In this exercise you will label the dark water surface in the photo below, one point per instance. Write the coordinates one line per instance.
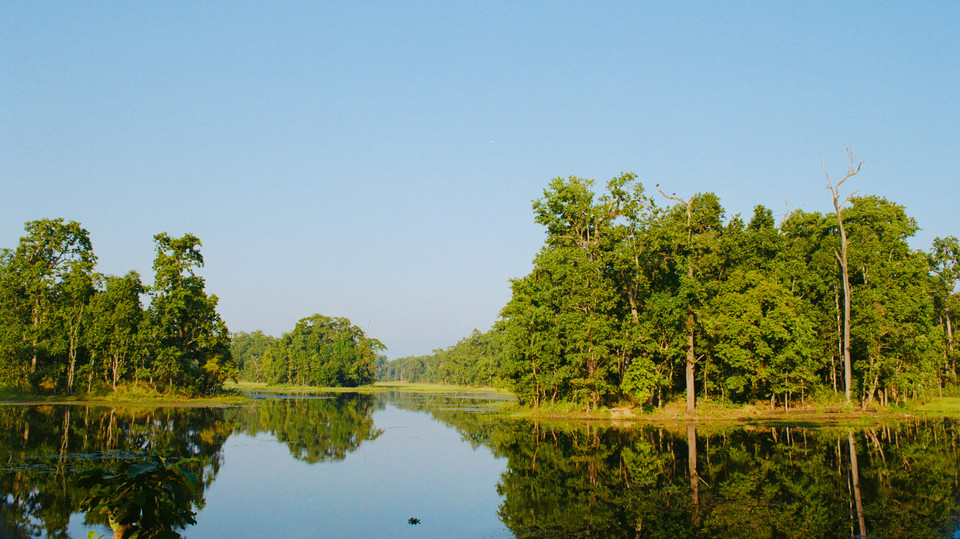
(407, 465)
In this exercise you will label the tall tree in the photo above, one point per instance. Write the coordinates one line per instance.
(192, 341)
(944, 261)
(696, 223)
(895, 340)
(852, 170)
(46, 274)
(563, 318)
(248, 349)
(324, 351)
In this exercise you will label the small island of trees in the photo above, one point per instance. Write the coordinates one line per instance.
(320, 351)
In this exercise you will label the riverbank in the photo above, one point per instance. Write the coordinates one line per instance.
(378, 387)
(124, 396)
(710, 412)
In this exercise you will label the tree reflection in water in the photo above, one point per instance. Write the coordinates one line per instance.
(315, 429)
(566, 481)
(59, 460)
(44, 450)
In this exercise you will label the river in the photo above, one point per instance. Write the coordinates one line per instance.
(412, 465)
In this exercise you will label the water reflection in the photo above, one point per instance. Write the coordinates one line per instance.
(898, 481)
(560, 480)
(315, 429)
(45, 450)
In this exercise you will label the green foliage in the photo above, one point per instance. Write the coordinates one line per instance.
(316, 430)
(578, 481)
(247, 350)
(147, 498)
(320, 351)
(630, 302)
(191, 342)
(64, 327)
(474, 361)
(130, 457)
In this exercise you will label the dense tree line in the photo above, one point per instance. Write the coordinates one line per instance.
(474, 361)
(64, 326)
(320, 351)
(628, 301)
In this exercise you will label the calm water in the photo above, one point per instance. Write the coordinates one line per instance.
(364, 466)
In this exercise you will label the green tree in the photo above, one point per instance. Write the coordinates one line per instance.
(324, 351)
(46, 283)
(562, 321)
(843, 257)
(192, 341)
(896, 342)
(248, 349)
(695, 228)
(944, 261)
(756, 326)
(115, 334)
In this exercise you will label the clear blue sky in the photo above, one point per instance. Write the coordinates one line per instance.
(377, 160)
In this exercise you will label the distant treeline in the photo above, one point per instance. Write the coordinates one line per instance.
(320, 351)
(631, 302)
(474, 361)
(65, 327)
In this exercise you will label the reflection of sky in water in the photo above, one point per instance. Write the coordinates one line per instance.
(416, 468)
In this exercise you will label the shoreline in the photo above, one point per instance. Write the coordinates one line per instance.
(673, 413)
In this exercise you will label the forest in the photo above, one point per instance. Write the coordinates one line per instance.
(66, 328)
(631, 302)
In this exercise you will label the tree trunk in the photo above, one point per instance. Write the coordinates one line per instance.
(953, 366)
(631, 296)
(122, 531)
(73, 342)
(115, 371)
(847, 368)
(842, 255)
(36, 324)
(691, 396)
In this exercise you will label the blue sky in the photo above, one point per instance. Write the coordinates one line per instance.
(377, 160)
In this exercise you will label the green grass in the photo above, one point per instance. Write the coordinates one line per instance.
(125, 395)
(379, 387)
(713, 414)
(947, 406)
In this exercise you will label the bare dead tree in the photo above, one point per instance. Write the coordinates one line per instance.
(852, 170)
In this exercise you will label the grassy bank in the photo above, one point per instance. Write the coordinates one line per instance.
(825, 413)
(379, 387)
(124, 396)
(235, 393)
(708, 412)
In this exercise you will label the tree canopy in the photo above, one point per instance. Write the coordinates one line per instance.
(63, 325)
(319, 351)
(632, 302)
